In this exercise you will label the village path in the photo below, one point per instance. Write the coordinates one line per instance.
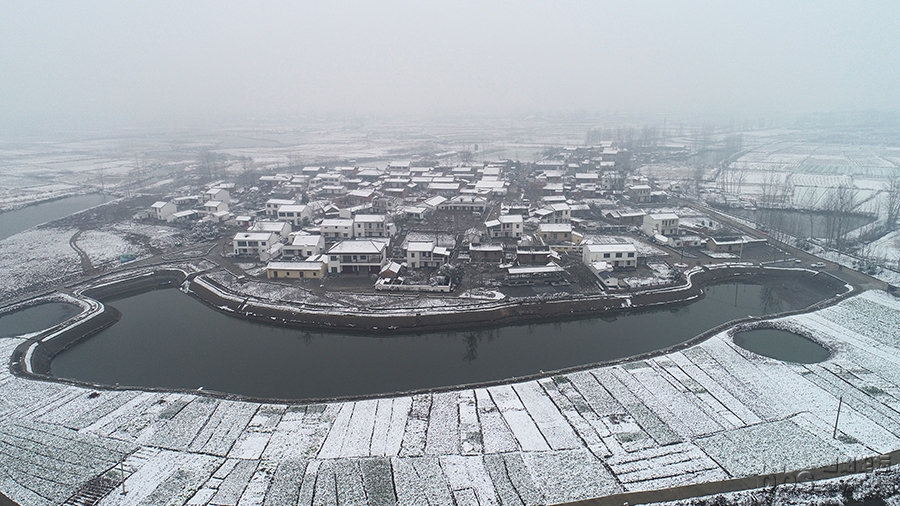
(851, 276)
(86, 266)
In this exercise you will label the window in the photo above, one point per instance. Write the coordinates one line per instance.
(618, 255)
(630, 255)
(606, 255)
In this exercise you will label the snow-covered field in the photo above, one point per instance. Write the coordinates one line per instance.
(42, 257)
(36, 257)
(709, 412)
(886, 248)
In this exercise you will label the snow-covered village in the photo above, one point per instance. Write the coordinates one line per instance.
(449, 253)
(451, 246)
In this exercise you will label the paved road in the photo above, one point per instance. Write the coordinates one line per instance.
(851, 276)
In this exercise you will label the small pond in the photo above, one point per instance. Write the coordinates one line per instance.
(782, 345)
(36, 318)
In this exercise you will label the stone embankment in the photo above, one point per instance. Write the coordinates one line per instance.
(505, 312)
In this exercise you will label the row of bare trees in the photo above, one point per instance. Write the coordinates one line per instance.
(892, 201)
(839, 204)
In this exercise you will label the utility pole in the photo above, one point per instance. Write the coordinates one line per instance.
(122, 471)
(837, 417)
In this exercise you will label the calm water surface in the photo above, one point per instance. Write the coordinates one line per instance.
(13, 222)
(796, 223)
(782, 345)
(36, 318)
(168, 339)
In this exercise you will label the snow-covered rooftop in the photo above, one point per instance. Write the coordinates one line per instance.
(254, 236)
(306, 240)
(305, 265)
(369, 218)
(611, 248)
(555, 227)
(357, 247)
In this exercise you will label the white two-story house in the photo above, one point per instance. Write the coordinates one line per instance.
(282, 228)
(272, 205)
(294, 213)
(662, 223)
(426, 254)
(506, 225)
(619, 256)
(370, 225)
(253, 243)
(304, 246)
(357, 256)
(336, 229)
(163, 210)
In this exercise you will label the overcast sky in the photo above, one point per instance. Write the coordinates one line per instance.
(145, 61)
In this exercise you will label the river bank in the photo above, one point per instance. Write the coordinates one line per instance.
(34, 356)
(641, 425)
(419, 315)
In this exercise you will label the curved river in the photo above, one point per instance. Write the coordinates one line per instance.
(167, 339)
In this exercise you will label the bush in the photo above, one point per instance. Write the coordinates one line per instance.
(205, 231)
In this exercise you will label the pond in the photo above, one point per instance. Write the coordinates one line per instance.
(168, 339)
(36, 318)
(782, 345)
(13, 222)
(800, 223)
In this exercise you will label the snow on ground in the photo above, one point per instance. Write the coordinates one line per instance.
(886, 248)
(662, 274)
(643, 249)
(104, 247)
(881, 484)
(39, 256)
(341, 301)
(42, 257)
(159, 236)
(481, 293)
(710, 412)
(13, 196)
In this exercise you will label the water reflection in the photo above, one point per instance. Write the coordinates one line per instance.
(36, 318)
(782, 345)
(167, 339)
(769, 301)
(13, 222)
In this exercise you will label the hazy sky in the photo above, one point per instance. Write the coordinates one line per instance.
(157, 60)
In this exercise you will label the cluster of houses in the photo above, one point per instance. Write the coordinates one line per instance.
(211, 205)
(342, 220)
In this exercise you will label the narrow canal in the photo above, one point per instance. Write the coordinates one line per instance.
(13, 222)
(167, 339)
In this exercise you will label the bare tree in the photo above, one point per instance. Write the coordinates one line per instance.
(892, 202)
(839, 205)
(698, 174)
